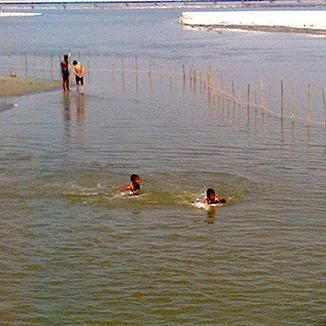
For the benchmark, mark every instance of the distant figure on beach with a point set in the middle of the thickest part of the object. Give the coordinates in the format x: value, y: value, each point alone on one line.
x: 79, y: 71
x: 134, y: 186
x: 65, y: 73
x: 212, y: 199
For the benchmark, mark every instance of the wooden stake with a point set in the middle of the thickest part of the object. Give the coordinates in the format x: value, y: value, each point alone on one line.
x: 282, y: 99
x: 293, y: 100
x: 309, y: 102
x: 248, y: 96
x: 324, y: 102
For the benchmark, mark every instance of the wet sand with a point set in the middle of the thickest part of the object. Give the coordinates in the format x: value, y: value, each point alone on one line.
x: 15, y: 86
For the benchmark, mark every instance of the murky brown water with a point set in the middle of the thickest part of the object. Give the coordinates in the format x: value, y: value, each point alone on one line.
x: 73, y: 252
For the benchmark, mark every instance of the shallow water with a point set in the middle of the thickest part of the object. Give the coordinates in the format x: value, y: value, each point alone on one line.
x: 75, y: 252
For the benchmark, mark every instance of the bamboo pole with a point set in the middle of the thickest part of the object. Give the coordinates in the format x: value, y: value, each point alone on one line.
x: 183, y: 78
x: 309, y: 106
x: 113, y: 72
x: 42, y: 67
x: 248, y: 101
x: 150, y: 69
x: 239, y: 97
x: 26, y: 66
x: 136, y: 74
x: 122, y: 62
x: 262, y: 97
x: 282, y: 99
x: 248, y: 96
x: 293, y: 100
x: 51, y: 65
x: 324, y: 103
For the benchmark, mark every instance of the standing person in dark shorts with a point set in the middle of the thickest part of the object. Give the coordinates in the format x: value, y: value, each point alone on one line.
x: 79, y: 71
x: 64, y: 64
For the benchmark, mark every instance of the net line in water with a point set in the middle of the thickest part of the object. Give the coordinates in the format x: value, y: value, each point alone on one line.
x: 43, y: 66
x: 248, y: 103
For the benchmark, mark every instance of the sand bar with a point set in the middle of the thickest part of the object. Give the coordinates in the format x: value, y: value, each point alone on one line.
x: 19, y: 14
x: 281, y: 20
x: 13, y: 86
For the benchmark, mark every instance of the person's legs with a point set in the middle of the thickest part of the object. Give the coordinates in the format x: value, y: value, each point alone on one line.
x: 67, y: 84
x: 79, y: 84
x: 82, y: 85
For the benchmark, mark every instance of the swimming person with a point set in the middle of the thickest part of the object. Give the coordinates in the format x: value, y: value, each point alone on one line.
x: 64, y: 64
x: 79, y: 71
x: 212, y: 199
x: 134, y: 186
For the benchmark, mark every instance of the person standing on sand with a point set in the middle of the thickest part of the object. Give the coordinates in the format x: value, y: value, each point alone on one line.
x: 64, y: 64
x: 79, y: 71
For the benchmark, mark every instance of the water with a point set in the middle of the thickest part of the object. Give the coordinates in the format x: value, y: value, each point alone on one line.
x: 74, y: 252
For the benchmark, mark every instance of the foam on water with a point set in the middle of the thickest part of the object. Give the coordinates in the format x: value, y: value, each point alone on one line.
x: 175, y: 192
x: 200, y: 204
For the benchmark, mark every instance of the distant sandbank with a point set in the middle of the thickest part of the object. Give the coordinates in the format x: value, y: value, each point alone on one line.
x: 299, y: 21
x: 19, y: 14
x: 14, y: 86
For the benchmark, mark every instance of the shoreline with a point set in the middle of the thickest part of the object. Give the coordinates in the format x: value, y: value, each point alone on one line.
x: 17, y: 86
x: 259, y: 28
x: 98, y: 5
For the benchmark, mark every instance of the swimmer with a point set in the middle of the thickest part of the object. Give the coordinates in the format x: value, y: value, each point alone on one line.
x: 134, y: 186
x: 212, y: 199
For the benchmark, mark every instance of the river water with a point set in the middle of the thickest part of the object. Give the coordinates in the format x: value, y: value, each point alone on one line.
x: 75, y: 252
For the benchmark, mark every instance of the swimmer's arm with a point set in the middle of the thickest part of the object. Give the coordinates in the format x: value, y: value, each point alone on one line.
x: 221, y: 200
x: 126, y: 188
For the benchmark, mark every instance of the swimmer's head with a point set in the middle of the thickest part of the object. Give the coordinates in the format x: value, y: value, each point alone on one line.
x: 210, y: 192
x: 75, y: 62
x: 134, y: 178
x: 65, y: 57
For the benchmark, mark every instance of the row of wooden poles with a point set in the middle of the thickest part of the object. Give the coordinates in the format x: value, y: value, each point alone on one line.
x: 249, y: 99
x: 215, y: 82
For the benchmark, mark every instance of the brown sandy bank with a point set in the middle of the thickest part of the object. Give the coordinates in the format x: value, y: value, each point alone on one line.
x: 14, y: 86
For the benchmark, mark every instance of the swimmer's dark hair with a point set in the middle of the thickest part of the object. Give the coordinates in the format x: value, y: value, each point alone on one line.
x: 133, y: 177
x: 65, y: 57
x: 74, y: 62
x: 209, y: 192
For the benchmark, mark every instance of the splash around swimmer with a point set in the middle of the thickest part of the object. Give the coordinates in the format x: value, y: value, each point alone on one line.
x: 210, y: 200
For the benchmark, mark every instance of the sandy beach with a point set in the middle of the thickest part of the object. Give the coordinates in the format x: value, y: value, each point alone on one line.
x: 14, y: 86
